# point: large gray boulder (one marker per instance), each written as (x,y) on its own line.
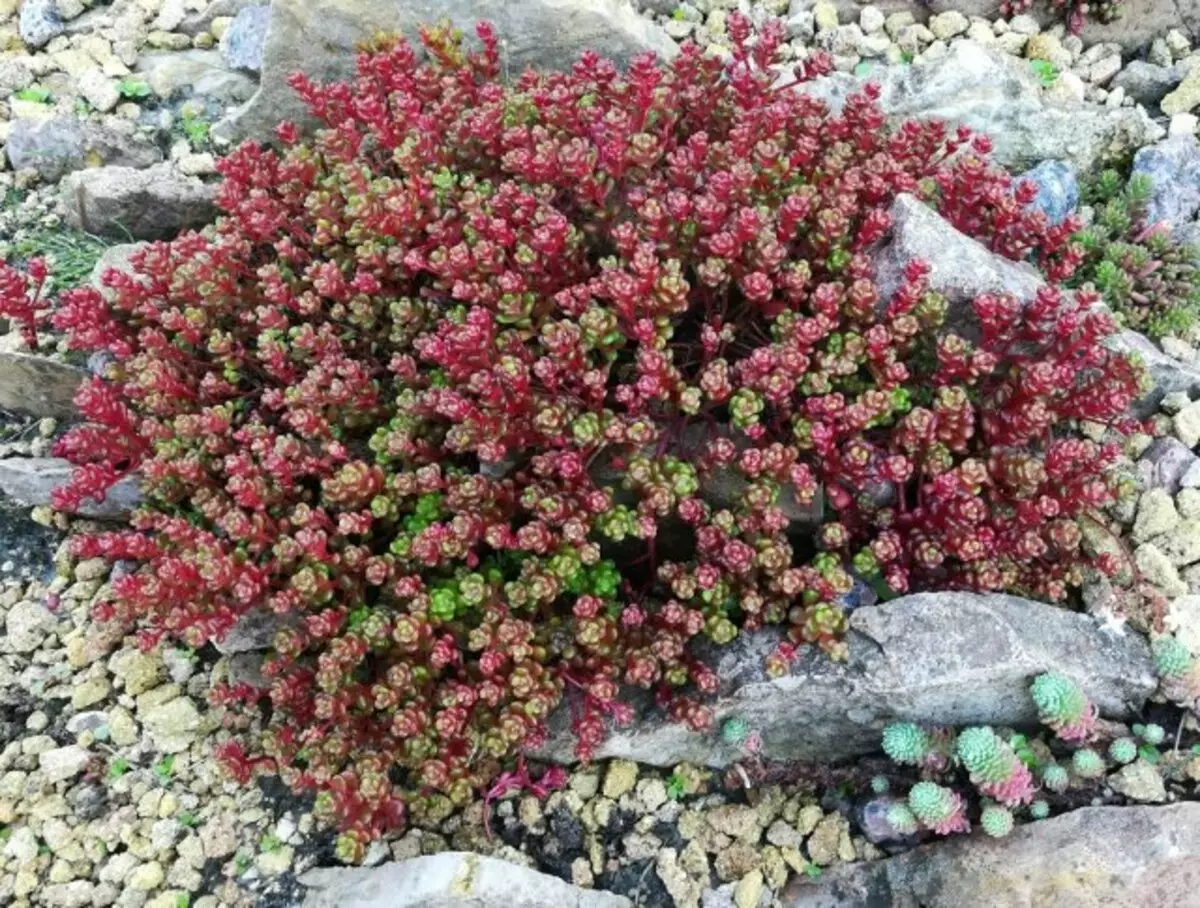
(961,268)
(319,37)
(151,204)
(61,145)
(454,879)
(31,480)
(943,658)
(1096,857)
(37,385)
(1166,373)
(1000,96)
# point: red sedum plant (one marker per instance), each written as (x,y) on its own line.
(380,398)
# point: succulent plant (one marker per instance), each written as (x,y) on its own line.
(1171,658)
(1062,705)
(1151,734)
(938,808)
(880,785)
(735,731)
(996,821)
(902,819)
(1123,750)
(1087,763)
(985,755)
(1039,810)
(906,743)
(1055,777)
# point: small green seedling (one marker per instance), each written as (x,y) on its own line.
(163,769)
(270,843)
(117,767)
(34,93)
(188,819)
(134,89)
(676,786)
(1046,71)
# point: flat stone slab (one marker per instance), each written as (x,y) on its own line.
(31,480)
(39,386)
(943,658)
(319,37)
(454,879)
(1097,857)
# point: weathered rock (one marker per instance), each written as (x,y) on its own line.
(39,22)
(244,41)
(1185,97)
(63,763)
(962,268)
(61,145)
(26,626)
(318,37)
(37,385)
(199,73)
(1058,189)
(1090,858)
(1145,82)
(942,658)
(1167,374)
(219,9)
(1165,464)
(173,725)
(1139,781)
(156,203)
(448,880)
(1000,96)
(1173,167)
(30,480)
(253,631)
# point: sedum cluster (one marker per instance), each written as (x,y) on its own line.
(447,390)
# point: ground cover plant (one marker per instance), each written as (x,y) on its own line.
(450,388)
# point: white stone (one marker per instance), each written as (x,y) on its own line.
(98,90)
(871,20)
(63,763)
(1183,124)
(948,24)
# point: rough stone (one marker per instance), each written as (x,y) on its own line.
(63,763)
(318,37)
(243,43)
(1185,97)
(1145,82)
(1139,781)
(155,203)
(199,73)
(1156,516)
(620,778)
(31,480)
(173,725)
(38,386)
(448,880)
(948,24)
(1167,464)
(57,146)
(1167,374)
(962,268)
(1058,189)
(1001,97)
(138,671)
(941,658)
(1173,167)
(1187,424)
(1088,858)
(26,626)
(39,22)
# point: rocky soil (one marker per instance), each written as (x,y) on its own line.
(112,116)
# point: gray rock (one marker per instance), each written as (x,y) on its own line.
(1000,96)
(1166,463)
(244,40)
(318,37)
(1173,166)
(61,145)
(151,204)
(39,22)
(38,386)
(63,763)
(173,726)
(1058,189)
(30,480)
(1167,374)
(202,21)
(453,879)
(26,626)
(1147,83)
(942,658)
(1090,858)
(254,631)
(962,268)
(15,74)
(198,73)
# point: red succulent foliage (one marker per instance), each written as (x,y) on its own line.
(447,389)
